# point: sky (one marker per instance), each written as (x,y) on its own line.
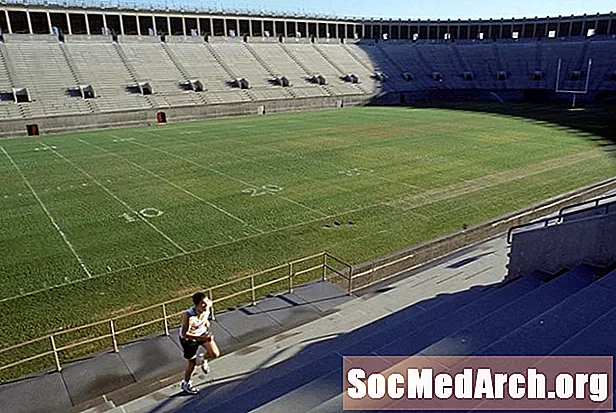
(412,9)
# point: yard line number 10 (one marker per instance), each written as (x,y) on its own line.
(146,213)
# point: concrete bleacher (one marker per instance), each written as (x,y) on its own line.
(373,57)
(238,58)
(151,63)
(348,63)
(309,57)
(406,58)
(101,66)
(53,72)
(603,63)
(42,68)
(200,63)
(8,108)
(276,58)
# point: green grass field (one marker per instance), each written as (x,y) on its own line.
(98,223)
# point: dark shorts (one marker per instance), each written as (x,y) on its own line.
(190,348)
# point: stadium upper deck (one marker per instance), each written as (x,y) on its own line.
(84,19)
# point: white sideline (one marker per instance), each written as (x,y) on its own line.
(62,234)
(174,185)
(104,188)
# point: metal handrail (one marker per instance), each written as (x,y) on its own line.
(545,222)
(113,333)
(541,222)
(589,202)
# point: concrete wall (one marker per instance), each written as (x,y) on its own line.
(9,128)
(554,248)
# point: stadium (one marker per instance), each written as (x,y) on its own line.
(337,186)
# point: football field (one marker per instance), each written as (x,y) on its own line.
(98,223)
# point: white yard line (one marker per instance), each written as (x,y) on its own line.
(104,188)
(53,221)
(186,253)
(174,185)
(257,162)
(223,175)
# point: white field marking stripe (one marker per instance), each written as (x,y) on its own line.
(311,180)
(174,185)
(104,188)
(62,234)
(171,257)
(335,166)
(398,182)
(224,175)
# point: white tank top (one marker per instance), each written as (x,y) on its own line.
(197,325)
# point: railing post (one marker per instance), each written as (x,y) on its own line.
(210,293)
(324,266)
(55,353)
(166,323)
(113,336)
(290,277)
(350,280)
(252,289)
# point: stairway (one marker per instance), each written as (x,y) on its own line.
(338,69)
(7,67)
(228,70)
(268,69)
(131,70)
(305,69)
(526,316)
(356,58)
(181,69)
(76,75)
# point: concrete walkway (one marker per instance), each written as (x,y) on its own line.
(142,365)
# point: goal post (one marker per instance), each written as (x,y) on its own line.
(573,92)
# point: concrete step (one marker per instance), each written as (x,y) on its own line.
(297,375)
(441,326)
(486,330)
(598,337)
(554,327)
(333,405)
(322,358)
(303,399)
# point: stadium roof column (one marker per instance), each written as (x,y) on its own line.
(138,25)
(154,25)
(169,25)
(121,24)
(87,24)
(184,25)
(68,22)
(105,23)
(8,22)
(30,22)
